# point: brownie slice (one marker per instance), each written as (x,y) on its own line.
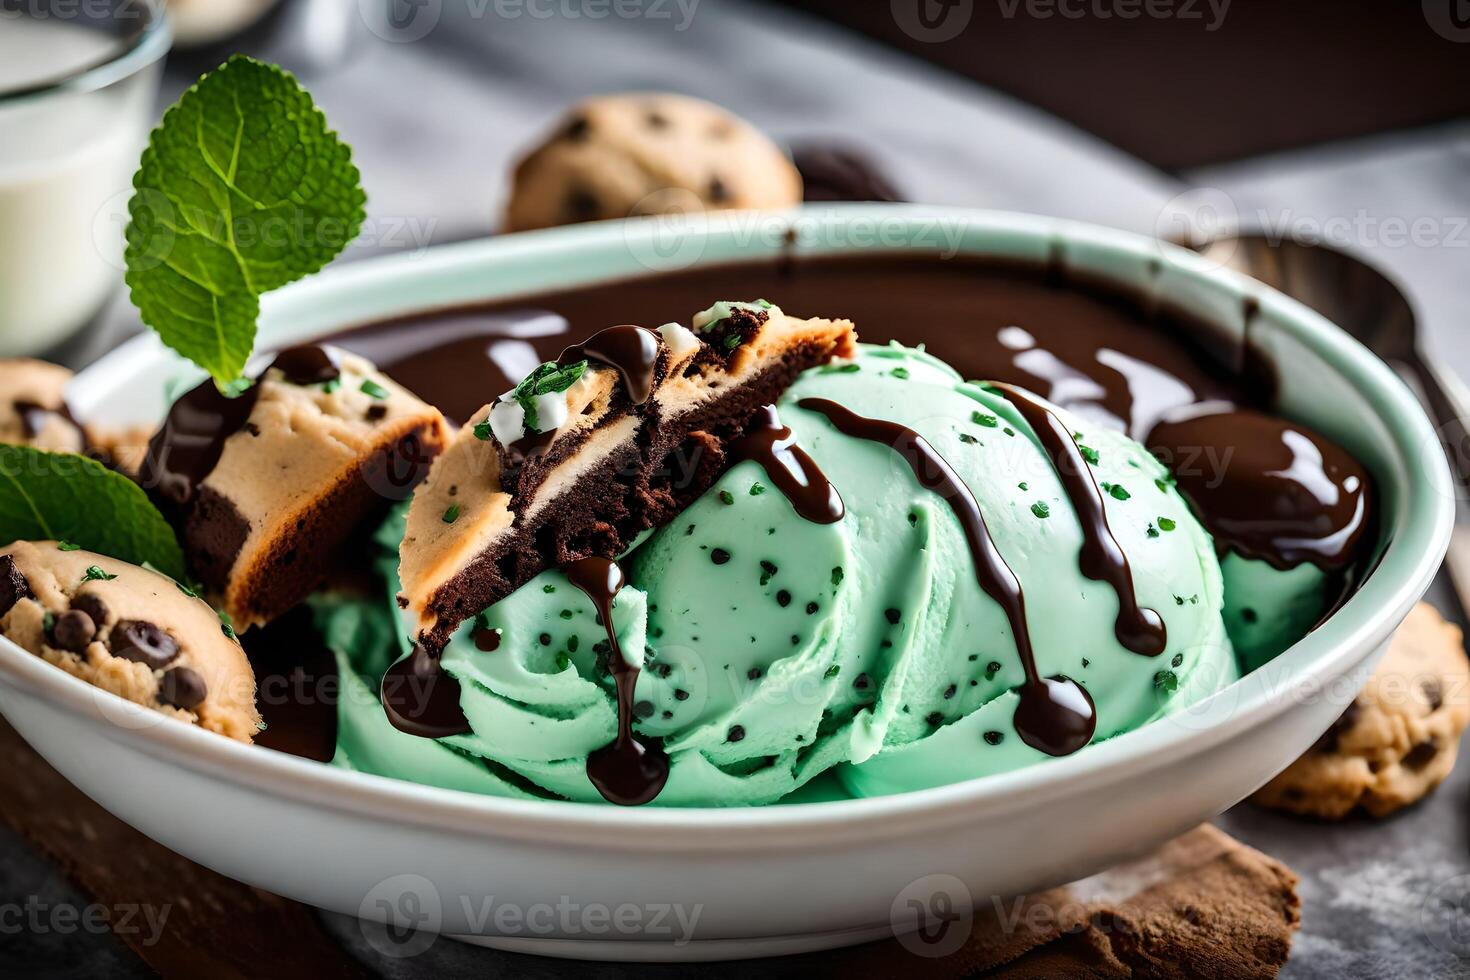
(580,459)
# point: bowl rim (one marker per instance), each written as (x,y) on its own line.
(1418,533)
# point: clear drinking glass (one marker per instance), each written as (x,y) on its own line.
(78,84)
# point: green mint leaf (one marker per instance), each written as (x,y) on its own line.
(373,390)
(483,432)
(61,496)
(67,546)
(96,574)
(241,190)
(1041,510)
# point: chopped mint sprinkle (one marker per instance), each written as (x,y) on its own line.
(483,431)
(1178,659)
(968,439)
(452,514)
(548,589)
(373,390)
(1089,454)
(548,379)
(95,574)
(850,367)
(1167,524)
(1009,431)
(68,546)
(186,590)
(228,630)
(756,489)
(726,497)
(1022,485)
(330,386)
(1152,531)
(1115,490)
(563,661)
(980,418)
(900,373)
(1040,509)
(832,671)
(837,574)
(1166,681)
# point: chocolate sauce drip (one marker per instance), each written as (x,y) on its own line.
(631,349)
(188,446)
(627,771)
(794,473)
(421,699)
(1055,715)
(1266,488)
(308,364)
(183,453)
(1137,627)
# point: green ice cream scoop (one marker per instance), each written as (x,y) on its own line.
(775,647)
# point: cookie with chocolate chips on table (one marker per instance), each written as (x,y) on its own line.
(127,630)
(648,153)
(1398,740)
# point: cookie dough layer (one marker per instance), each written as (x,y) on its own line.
(1398,740)
(129,631)
(648,153)
(614,470)
(313,463)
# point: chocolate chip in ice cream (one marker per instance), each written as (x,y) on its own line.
(182,688)
(134,639)
(73,631)
(13,585)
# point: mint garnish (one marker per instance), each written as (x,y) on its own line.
(548,379)
(64,497)
(96,574)
(242,189)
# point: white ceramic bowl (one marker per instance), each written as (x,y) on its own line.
(598,881)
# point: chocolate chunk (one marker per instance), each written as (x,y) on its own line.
(718,192)
(1349,718)
(1420,756)
(577,129)
(13,585)
(133,639)
(73,631)
(91,604)
(182,687)
(582,205)
(1433,693)
(308,364)
(657,120)
(376,412)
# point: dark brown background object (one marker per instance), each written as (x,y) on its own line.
(1270,76)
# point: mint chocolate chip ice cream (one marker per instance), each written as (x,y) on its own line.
(980,581)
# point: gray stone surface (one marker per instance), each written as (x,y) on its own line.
(436,122)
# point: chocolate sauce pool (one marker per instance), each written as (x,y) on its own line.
(1116,358)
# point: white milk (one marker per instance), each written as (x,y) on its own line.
(66,166)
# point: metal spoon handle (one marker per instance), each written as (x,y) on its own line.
(1449,404)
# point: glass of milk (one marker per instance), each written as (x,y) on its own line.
(78,82)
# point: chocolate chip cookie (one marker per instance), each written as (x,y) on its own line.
(130,631)
(1398,740)
(648,153)
(33,406)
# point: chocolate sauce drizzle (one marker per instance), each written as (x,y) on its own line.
(1055,714)
(420,698)
(1273,491)
(1137,627)
(627,771)
(183,453)
(187,448)
(794,473)
(631,349)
